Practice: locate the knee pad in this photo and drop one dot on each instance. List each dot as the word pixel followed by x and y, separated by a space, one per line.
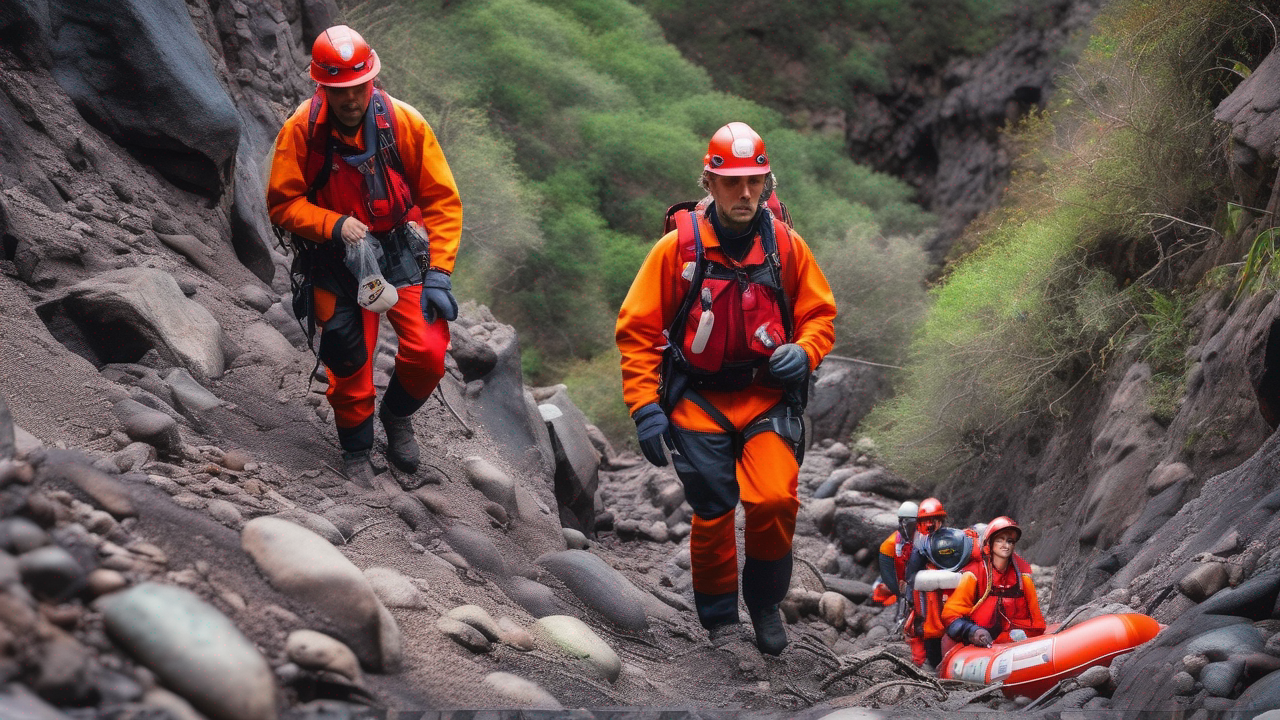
pixel 707 466
pixel 342 341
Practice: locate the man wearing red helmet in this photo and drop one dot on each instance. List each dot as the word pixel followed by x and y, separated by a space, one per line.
pixel 722 326
pixel 353 161
pixel 996 595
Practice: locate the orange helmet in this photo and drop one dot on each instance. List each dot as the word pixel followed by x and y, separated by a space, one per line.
pixel 995 526
pixel 931 508
pixel 736 149
pixel 341 58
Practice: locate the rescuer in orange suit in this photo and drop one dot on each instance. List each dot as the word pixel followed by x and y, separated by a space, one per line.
pixel 935 548
pixel 894 553
pixel 725 321
pixel 350 161
pixel 996 595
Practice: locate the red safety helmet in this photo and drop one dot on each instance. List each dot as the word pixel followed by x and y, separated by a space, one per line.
pixel 736 149
pixel 995 526
pixel 931 508
pixel 341 58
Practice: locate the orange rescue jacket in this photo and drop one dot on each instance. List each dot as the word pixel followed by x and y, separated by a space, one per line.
pixel 434 191
pixel 997 601
pixel 655 298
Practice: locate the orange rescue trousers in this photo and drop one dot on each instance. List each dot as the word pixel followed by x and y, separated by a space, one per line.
pixel 349 335
pixel 763 478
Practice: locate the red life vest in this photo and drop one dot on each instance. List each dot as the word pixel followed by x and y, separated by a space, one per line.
pixel 1003 603
pixel 751 313
pixel 902 551
pixel 374 191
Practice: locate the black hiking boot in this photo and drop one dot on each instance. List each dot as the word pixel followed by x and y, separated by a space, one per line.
pixel 402 446
pixel 771 635
pixel 358 469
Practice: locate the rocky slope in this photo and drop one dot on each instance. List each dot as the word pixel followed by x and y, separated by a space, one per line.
pixel 174 539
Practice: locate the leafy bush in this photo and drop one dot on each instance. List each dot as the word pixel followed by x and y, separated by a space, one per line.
pixel 1115 193
pixel 571 126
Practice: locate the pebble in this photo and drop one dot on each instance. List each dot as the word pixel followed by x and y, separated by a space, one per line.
pixel 1094 677
pixel 434 501
pixel 478 618
pixel 20 535
pixel 463 634
pixel 193 649
pixel 514 635
pixel 412 512
pixel 317 651
pixel 104 581
pixel 308 569
pixel 394 589
pixel 599 586
pixel 235 460
pixel 832 606
pixel 225 513
pixel 521 692
pixel 315 523
pixel 491 482
pixel 570 636
pixel 1183 683
pixel 51 572
pixel 498 513
pixel 575 540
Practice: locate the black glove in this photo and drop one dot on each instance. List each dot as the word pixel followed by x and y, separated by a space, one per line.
pixel 437 296
pixel 789 363
pixel 652 428
pixel 980 636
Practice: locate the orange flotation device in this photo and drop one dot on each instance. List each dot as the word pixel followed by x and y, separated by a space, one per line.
pixel 1034 665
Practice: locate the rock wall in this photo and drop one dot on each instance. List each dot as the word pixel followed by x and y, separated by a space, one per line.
pixel 1122 502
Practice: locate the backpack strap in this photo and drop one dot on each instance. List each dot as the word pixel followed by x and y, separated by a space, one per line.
pixel 319 149
pixel 386 124
pixel 777 252
pixel 689 242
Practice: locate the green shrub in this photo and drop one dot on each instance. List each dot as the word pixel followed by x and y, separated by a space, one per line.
pixel 571 126
pixel 1116 191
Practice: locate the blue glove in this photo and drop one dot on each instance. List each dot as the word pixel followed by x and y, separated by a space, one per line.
pixel 437 297
pixel 789 363
pixel 652 428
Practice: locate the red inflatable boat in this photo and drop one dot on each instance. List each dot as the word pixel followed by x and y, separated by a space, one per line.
pixel 1034 665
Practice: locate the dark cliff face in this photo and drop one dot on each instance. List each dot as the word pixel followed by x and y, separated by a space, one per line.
pixel 191 93
pixel 940 128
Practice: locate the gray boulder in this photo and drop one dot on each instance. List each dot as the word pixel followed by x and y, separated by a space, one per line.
pixel 537 599
pixel 599 587
pixel 139 71
pixel 577 462
pixel 51 572
pixel 504 406
pixel 1255 129
pixel 478 550
pixel 843 394
pixel 882 482
pixel 306 568
pixel 314 523
pixel 71 470
pixel 251 236
pixel 1220 678
pixel 520 692
pixel 140 309
pixel 475 359
pixel 866 524
pixel 491 482
pixel 266 339
pixel 153 427
pixel 193 649
pixel 190 395
pixel 570 636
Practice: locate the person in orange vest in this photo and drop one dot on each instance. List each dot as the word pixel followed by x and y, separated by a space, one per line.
pixel 996 598
pixel 353 162
pixel 725 321
pixel 924 629
pixel 894 553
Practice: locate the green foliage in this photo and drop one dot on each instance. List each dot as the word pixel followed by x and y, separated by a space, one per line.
pixel 1115 192
pixel 571 126
pixel 818 54
pixel 596 388
pixel 1261 264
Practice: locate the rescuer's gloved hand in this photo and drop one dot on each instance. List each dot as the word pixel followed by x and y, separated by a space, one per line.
pixel 437 297
pixel 789 363
pixel 653 429
pixel 980 636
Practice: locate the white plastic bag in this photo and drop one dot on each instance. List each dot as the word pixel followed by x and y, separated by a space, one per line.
pixel 373 292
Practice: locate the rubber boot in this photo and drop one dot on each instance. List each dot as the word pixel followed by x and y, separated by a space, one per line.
pixel 771 634
pixel 402 446
pixel 358 469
